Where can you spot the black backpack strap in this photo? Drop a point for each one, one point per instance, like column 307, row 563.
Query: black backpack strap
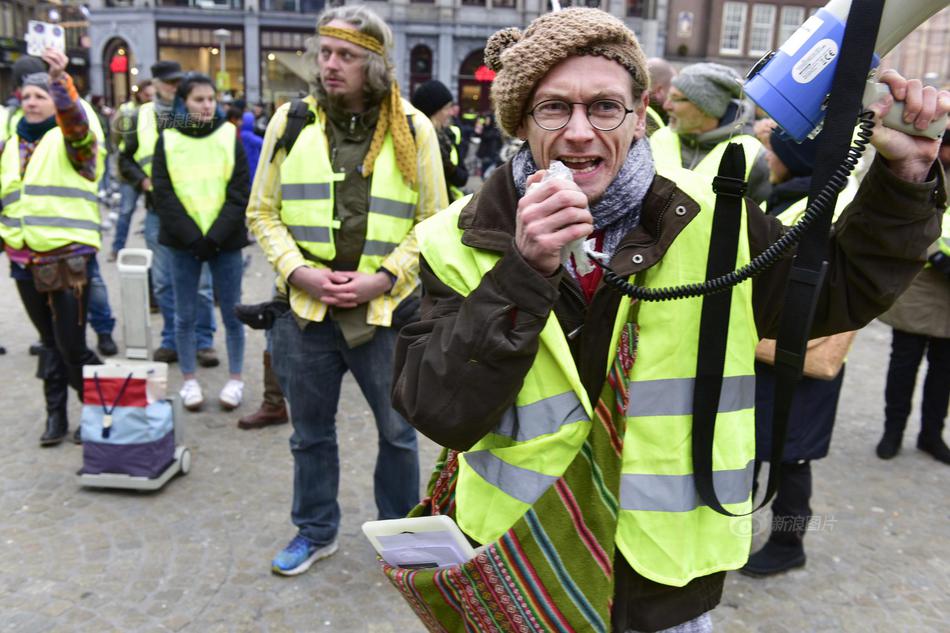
column 810, row 266
column 730, row 186
column 299, row 116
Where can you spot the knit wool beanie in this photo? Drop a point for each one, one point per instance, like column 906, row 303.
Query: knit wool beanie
column 431, row 97
column 709, row 87
column 24, row 66
column 39, row 80
column 522, row 59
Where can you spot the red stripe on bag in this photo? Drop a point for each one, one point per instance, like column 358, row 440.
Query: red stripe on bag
column 134, row 395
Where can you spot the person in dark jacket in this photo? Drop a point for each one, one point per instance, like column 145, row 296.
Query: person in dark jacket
column 489, row 147
column 201, row 187
column 251, row 141
column 921, row 322
column 434, row 100
column 460, row 371
column 815, row 403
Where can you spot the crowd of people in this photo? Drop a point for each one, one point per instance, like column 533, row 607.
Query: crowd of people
column 461, row 317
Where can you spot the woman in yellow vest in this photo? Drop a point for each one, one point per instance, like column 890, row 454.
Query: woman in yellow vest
column 435, row 101
column 49, row 169
column 201, row 185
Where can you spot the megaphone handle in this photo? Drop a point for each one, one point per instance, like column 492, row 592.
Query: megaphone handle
column 873, row 91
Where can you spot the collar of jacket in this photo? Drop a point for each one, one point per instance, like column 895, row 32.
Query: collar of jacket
column 488, row 221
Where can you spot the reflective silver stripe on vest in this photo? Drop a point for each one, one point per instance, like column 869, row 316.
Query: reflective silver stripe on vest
column 541, row 417
column 305, row 191
column 310, row 233
column 62, row 192
column 63, row 223
column 11, row 222
column 392, row 208
column 677, row 493
column 376, row 247
column 145, row 161
column 674, row 396
column 10, row 198
column 520, row 483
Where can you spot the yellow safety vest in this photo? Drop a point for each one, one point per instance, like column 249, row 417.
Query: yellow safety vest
column 668, row 157
column 454, row 192
column 146, row 130
column 51, row 205
column 663, row 530
column 656, row 121
column 200, row 169
column 307, row 203
column 944, row 242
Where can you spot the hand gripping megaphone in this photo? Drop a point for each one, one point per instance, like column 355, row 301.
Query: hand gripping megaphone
column 792, row 84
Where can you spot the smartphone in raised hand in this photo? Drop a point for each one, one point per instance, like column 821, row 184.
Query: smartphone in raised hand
column 43, row 35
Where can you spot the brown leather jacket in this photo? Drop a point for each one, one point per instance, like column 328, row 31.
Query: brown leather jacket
column 460, row 367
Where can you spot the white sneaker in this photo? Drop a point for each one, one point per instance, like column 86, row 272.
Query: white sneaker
column 191, row 395
column 231, row 395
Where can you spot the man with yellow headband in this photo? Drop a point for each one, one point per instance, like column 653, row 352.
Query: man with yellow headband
column 334, row 210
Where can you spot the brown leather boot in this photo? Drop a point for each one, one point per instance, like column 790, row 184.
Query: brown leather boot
column 267, row 415
column 273, row 410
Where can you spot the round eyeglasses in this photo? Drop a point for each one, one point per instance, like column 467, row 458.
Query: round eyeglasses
column 604, row 114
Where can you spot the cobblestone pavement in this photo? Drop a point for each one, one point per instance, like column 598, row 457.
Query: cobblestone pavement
column 195, row 556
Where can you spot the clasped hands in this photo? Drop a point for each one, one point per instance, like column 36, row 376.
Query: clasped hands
column 340, row 288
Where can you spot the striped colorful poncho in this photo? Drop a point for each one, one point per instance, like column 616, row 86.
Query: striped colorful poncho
column 553, row 570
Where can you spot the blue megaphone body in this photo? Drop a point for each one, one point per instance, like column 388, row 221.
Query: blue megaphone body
column 792, row 83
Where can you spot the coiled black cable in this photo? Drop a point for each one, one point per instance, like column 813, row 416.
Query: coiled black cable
column 774, row 252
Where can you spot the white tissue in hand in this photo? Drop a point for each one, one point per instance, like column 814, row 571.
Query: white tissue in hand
column 559, row 171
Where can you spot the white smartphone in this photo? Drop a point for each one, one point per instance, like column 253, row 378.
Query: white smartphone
column 43, row 35
column 419, row 542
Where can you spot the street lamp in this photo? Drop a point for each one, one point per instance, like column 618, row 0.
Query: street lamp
column 223, row 36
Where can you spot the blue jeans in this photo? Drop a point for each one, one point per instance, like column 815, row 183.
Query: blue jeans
column 164, row 290
column 310, row 364
column 100, row 314
column 130, row 198
column 227, row 268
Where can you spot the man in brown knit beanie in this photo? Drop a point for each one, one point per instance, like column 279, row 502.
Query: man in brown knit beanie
column 568, row 408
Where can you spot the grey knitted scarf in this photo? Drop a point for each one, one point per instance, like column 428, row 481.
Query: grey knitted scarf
column 618, row 210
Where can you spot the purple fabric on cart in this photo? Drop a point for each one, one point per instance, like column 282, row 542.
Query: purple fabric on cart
column 148, row 459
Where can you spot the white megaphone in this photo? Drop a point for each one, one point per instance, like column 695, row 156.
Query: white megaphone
column 792, row 84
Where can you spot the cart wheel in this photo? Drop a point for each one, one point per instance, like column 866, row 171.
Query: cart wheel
column 185, row 461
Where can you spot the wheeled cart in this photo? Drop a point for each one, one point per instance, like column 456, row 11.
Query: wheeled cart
column 180, row 464
column 130, row 428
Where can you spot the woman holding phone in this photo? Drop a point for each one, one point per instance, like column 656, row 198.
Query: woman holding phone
column 49, row 173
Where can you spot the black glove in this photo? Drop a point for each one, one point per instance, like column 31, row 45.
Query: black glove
column 941, row 262
column 203, row 249
column 260, row 316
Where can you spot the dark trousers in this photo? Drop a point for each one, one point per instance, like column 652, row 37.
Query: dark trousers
column 907, row 350
column 791, row 510
column 60, row 319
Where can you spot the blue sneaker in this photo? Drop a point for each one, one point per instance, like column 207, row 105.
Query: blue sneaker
column 299, row 555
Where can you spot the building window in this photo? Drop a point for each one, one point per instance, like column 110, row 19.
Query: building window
column 593, row 4
column 203, row 4
column 293, row 6
column 635, row 8
column 504, row 4
column 733, row 27
column 474, row 3
column 792, row 18
column 420, row 66
column 763, row 27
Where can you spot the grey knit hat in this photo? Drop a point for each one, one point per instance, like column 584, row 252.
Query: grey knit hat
column 40, row 80
column 709, row 87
